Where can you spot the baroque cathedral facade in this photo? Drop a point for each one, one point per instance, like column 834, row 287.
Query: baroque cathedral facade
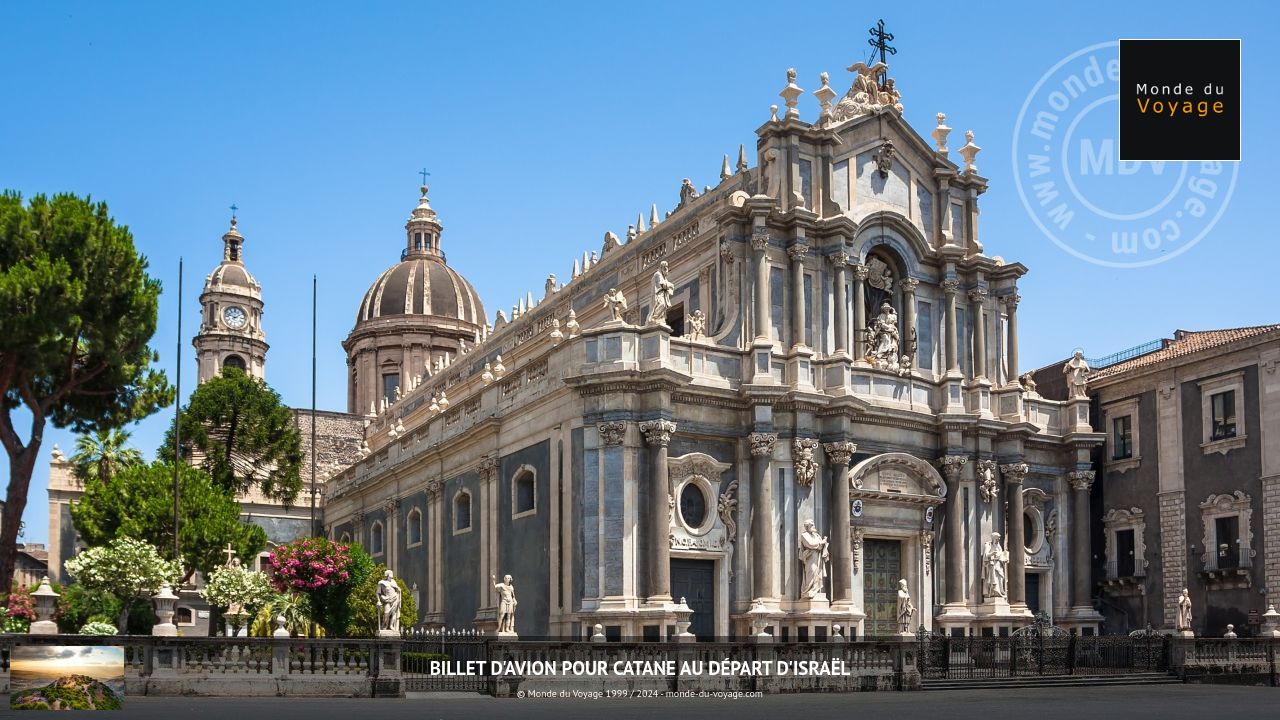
column 769, row 407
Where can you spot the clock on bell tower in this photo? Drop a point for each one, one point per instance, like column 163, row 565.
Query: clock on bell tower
column 231, row 316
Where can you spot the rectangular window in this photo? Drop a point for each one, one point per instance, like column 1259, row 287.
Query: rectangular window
column 1122, row 438
column 1227, row 530
column 1224, row 415
column 390, row 382
column 924, row 335
column 1124, row 553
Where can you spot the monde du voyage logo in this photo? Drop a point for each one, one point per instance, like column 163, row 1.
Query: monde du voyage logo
column 1124, row 151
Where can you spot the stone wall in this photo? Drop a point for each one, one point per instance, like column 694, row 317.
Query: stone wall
column 338, row 438
column 1173, row 551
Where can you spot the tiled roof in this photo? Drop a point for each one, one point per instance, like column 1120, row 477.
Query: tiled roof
column 1184, row 342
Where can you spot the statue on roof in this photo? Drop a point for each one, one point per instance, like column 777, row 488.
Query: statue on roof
column 1077, row 372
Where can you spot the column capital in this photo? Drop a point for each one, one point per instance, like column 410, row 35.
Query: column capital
column 1011, row 302
column 762, row 443
column 1014, row 472
column 797, row 251
column 840, row 452
column 434, row 486
column 392, row 505
column 1081, row 479
column 759, row 238
column 358, row 520
column 860, row 272
column 613, row 432
column 806, row 468
column 908, row 284
column 488, row 469
column 657, row 432
column 977, row 294
column 839, row 258
column 950, row 286
column 953, row 465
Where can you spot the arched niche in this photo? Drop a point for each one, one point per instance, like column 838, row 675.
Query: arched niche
column 898, row 473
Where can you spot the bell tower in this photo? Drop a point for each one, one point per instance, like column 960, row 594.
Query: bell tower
column 231, row 315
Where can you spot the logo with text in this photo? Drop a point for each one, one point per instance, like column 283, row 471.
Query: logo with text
column 1083, row 196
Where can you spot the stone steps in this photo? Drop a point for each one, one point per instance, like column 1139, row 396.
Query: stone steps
column 1032, row 681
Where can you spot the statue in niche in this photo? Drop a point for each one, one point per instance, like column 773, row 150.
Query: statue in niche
column 388, row 604
column 995, row 561
column 815, row 555
column 616, row 302
column 906, row 609
column 1184, row 611
column 1077, row 372
column 663, row 290
column 506, row 604
column 882, row 351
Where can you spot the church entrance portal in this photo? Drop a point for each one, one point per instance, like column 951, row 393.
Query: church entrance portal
column 883, row 561
column 694, row 580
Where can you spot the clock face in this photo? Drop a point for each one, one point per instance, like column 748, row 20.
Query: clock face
column 234, row 317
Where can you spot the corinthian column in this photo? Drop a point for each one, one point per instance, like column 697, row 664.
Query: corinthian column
column 951, row 287
column 840, row 453
column 760, row 241
column 796, row 252
column 763, row 544
column 1011, row 310
column 976, row 297
column 860, row 273
column 1081, row 567
column 952, row 467
column 909, row 286
column 840, row 261
column 1013, row 475
column 657, row 433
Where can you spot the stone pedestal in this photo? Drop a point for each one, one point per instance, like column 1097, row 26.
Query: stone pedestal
column 955, row 616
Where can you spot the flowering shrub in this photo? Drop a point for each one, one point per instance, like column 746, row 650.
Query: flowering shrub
column 128, row 569
column 325, row 572
column 20, row 604
column 11, row 624
column 98, row 628
column 240, row 588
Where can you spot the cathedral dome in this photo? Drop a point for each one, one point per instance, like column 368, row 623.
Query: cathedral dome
column 230, row 274
column 422, row 286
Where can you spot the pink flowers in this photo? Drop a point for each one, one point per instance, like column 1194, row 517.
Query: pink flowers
column 310, row 564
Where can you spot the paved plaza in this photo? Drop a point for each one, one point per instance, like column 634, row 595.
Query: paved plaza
column 1167, row 702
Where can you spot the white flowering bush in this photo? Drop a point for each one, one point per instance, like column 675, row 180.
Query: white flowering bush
column 127, row 568
column 98, row 628
column 240, row 588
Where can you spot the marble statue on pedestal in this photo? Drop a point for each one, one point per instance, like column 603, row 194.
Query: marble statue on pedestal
column 663, row 290
column 906, row 609
column 617, row 304
column 814, row 554
column 506, row 604
column 1184, row 611
column 883, row 348
column 1077, row 372
column 995, row 561
column 388, row 605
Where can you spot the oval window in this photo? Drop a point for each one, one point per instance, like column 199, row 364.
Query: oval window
column 693, row 506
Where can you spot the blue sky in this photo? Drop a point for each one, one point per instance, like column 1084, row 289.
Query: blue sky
column 543, row 126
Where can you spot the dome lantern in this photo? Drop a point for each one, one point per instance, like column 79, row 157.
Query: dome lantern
column 423, row 230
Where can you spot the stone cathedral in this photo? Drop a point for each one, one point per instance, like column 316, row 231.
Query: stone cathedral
column 774, row 404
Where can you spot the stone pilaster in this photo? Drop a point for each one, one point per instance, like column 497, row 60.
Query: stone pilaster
column 860, row 274
column 763, row 543
column 1013, row 474
column 909, row 339
column 759, row 245
column 840, row 263
column 1173, row 551
column 797, row 252
column 839, row 454
column 657, row 434
column 1271, row 533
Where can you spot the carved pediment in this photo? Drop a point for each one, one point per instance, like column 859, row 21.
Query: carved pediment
column 899, row 474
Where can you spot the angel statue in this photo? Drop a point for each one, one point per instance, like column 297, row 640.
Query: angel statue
column 617, row 304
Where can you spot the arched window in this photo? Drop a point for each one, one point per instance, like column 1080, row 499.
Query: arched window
column 183, row 616
column 524, row 492
column 234, row 361
column 414, row 527
column 345, row 539
column 461, row 512
column 375, row 538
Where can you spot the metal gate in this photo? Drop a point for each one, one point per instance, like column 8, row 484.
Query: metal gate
column 423, row 647
column 1041, row 650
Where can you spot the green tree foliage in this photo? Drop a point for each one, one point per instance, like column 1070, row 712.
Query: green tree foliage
column 77, row 604
column 77, row 310
column 364, row 606
column 138, row 503
column 101, row 453
column 242, row 435
column 129, row 569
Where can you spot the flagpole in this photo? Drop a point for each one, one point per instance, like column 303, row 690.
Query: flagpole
column 313, row 406
column 177, row 418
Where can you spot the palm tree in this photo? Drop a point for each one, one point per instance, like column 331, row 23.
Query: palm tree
column 101, row 454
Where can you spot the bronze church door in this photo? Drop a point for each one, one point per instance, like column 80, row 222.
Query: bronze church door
column 694, row 580
column 882, row 568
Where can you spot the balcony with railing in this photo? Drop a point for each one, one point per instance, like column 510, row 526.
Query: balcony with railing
column 1125, row 576
column 1228, row 565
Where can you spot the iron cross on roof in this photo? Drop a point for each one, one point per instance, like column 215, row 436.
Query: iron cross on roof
column 233, row 211
column 423, row 172
column 879, row 42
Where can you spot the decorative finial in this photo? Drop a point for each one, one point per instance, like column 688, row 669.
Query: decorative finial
column 791, row 95
column 653, row 215
column 969, row 152
column 742, row 158
column 940, row 134
column 825, row 95
column 640, row 228
column 773, row 113
column 725, row 173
